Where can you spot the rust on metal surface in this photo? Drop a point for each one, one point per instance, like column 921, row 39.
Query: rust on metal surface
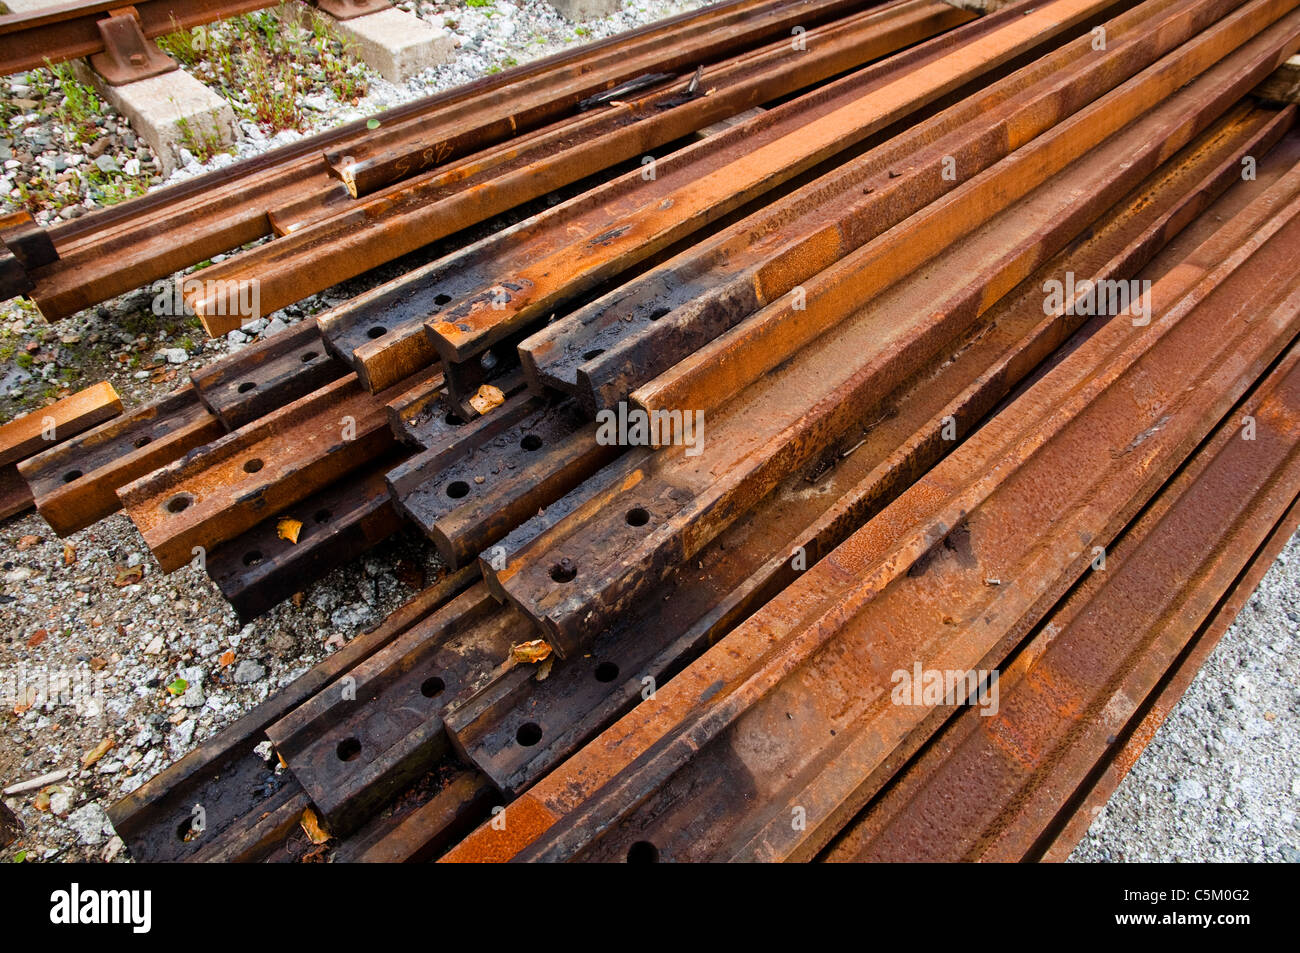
column 228, row 486
column 75, row 483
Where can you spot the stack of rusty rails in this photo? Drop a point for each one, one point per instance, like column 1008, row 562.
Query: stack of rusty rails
column 43, row 431
column 114, row 251
column 778, row 737
column 526, row 467
column 432, row 205
column 474, row 305
column 516, row 727
column 624, row 538
column 851, row 287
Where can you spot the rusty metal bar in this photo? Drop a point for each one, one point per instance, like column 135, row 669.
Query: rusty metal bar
column 950, row 576
column 228, row 486
column 75, row 483
column 350, row 756
column 35, row 431
column 1061, row 842
column 71, row 30
column 751, row 443
column 501, row 285
column 414, row 213
column 496, row 473
column 990, row 788
column 262, row 377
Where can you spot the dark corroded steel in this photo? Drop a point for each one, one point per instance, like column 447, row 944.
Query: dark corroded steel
column 259, row 378
column 225, row 775
column 352, row 756
column 261, row 567
column 497, row 472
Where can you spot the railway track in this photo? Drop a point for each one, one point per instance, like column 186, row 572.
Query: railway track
column 993, row 331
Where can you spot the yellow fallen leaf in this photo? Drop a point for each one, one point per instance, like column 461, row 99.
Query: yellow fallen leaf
column 97, row 752
column 69, row 554
column 129, row 577
column 531, row 652
column 311, row 825
column 487, row 398
column 288, row 529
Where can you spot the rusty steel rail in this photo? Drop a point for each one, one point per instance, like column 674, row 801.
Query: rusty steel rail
column 228, row 486
column 757, row 557
column 67, row 31
column 1079, row 815
column 261, row 567
column 235, row 786
column 753, row 441
column 351, row 758
column 75, row 484
column 496, row 473
column 263, row 377
column 957, row 570
column 39, row 430
column 171, row 229
column 430, row 824
column 991, row 788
